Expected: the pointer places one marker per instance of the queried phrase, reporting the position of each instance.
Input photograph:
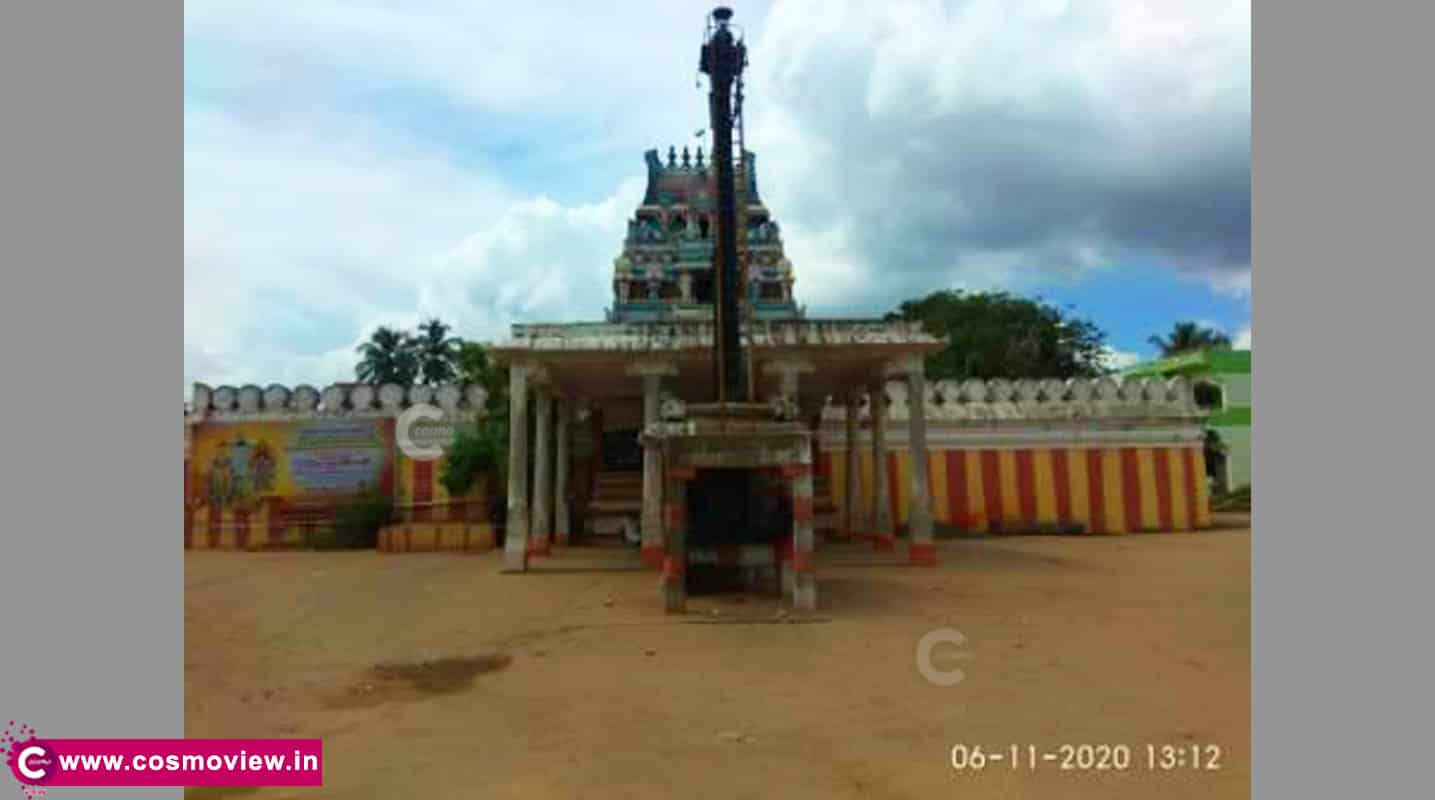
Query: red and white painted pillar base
(803, 568)
(675, 535)
(922, 554)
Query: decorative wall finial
(672, 157)
(686, 162)
(1149, 402)
(700, 156)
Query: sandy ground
(573, 683)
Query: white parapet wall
(1001, 412)
(1074, 399)
(339, 400)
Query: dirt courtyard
(434, 676)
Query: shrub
(357, 521)
(321, 538)
(477, 450)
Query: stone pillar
(515, 544)
(685, 286)
(881, 506)
(542, 519)
(562, 511)
(652, 514)
(652, 479)
(853, 523)
(788, 385)
(804, 557)
(675, 523)
(921, 550)
(788, 372)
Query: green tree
(479, 449)
(1190, 337)
(483, 447)
(388, 357)
(998, 335)
(437, 353)
(476, 365)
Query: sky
(355, 164)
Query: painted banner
(238, 463)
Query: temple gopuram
(651, 358)
(665, 272)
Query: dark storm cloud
(1043, 176)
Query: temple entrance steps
(615, 510)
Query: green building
(1222, 382)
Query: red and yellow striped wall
(268, 526)
(1096, 490)
(431, 519)
(264, 526)
(420, 497)
(411, 537)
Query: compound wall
(1091, 456)
(1091, 489)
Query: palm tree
(1189, 337)
(388, 357)
(437, 352)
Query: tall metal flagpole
(723, 59)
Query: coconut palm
(1189, 337)
(388, 357)
(437, 353)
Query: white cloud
(1119, 359)
(538, 261)
(296, 249)
(1006, 141)
(343, 166)
(297, 239)
(625, 64)
(1242, 339)
(1231, 284)
(317, 207)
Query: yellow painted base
(415, 537)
